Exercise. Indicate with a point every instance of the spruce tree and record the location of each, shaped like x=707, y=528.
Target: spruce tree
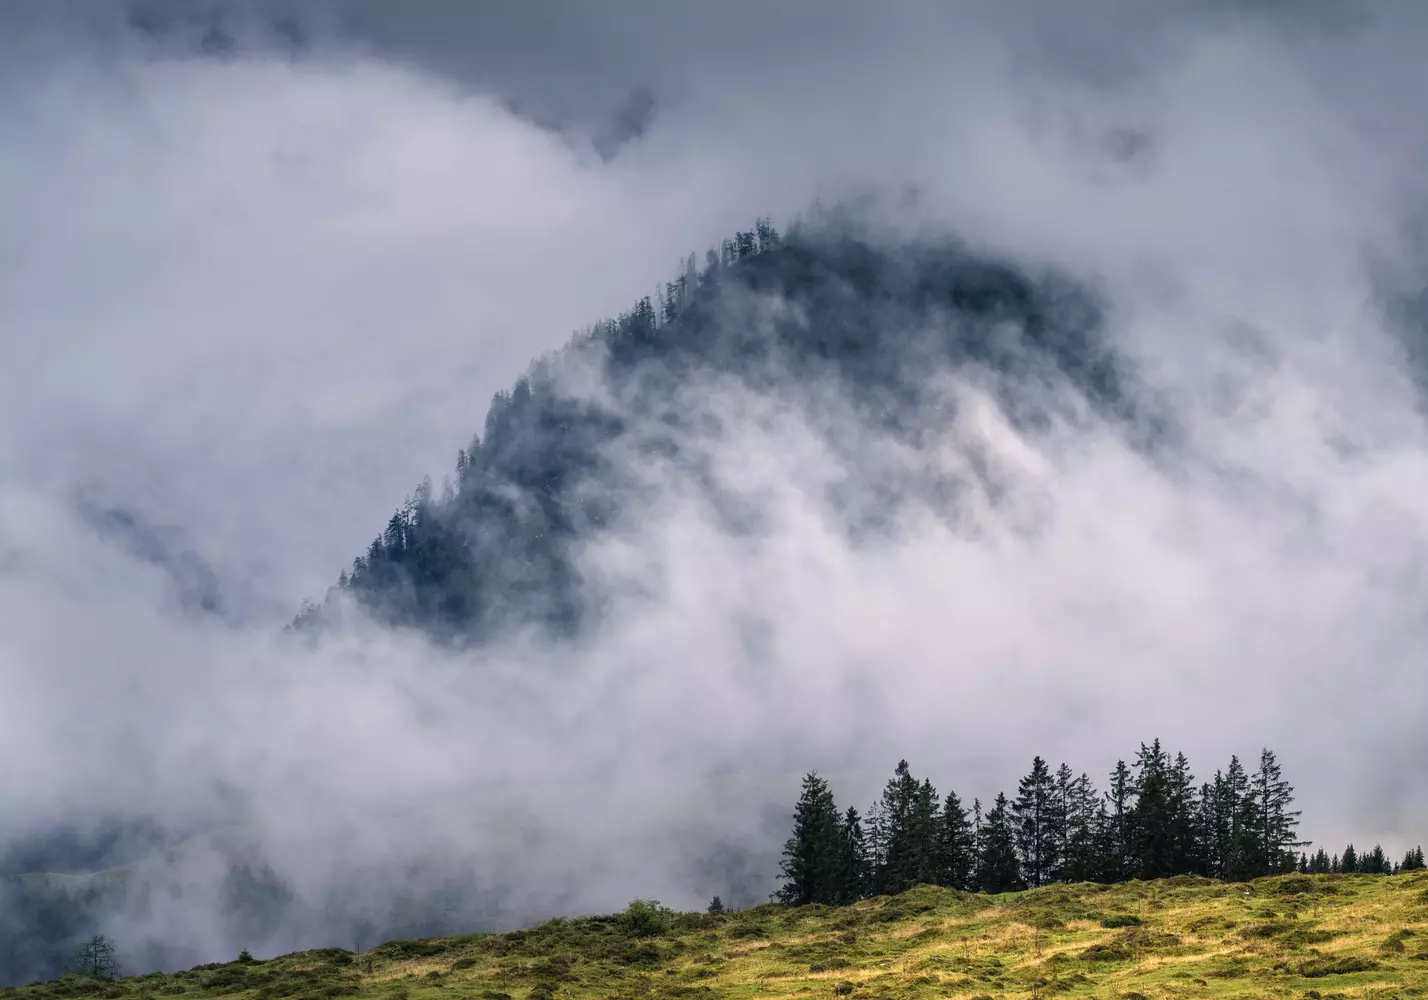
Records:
x=924, y=840
x=1374, y=862
x=812, y=854
x=1275, y=822
x=1239, y=811
x=1118, y=838
x=1349, y=862
x=1035, y=824
x=1081, y=861
x=1186, y=850
x=853, y=874
x=997, y=867
x=898, y=835
x=956, y=846
x=1151, y=848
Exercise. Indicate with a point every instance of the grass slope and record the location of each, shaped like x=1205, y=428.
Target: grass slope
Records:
x=1290, y=936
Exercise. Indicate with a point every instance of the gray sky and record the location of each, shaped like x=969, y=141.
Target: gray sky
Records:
x=255, y=295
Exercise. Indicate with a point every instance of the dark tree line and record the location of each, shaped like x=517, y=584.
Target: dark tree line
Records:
x=1153, y=821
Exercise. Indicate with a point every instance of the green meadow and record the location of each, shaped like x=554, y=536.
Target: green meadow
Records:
x=1318, y=937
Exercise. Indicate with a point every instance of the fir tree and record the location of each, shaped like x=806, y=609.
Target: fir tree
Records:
x=997, y=867
x=1375, y=862
x=1185, y=849
x=812, y=854
x=1117, y=842
x=1275, y=822
x=1083, y=841
x=956, y=845
x=899, y=832
x=924, y=840
x=853, y=874
x=1151, y=849
x=1035, y=823
x=1349, y=862
x=95, y=958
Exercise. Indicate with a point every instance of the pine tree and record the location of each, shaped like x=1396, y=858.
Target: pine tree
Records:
x=1186, y=850
x=95, y=958
x=1151, y=849
x=898, y=836
x=1320, y=864
x=1035, y=824
x=716, y=905
x=997, y=867
x=923, y=835
x=956, y=846
x=1275, y=822
x=1119, y=832
x=812, y=855
x=1374, y=862
x=1238, y=813
x=1083, y=840
x=1350, y=861
x=853, y=875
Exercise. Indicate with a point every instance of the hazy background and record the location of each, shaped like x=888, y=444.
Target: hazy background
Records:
x=263, y=265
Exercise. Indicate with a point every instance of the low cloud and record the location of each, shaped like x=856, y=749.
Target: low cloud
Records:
x=251, y=297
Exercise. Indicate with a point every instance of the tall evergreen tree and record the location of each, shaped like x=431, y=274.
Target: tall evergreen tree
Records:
x=1185, y=848
x=853, y=873
x=1081, y=860
x=924, y=840
x=1349, y=861
x=1034, y=817
x=1375, y=862
x=812, y=855
x=900, y=832
x=1119, y=834
x=1240, y=860
x=1151, y=823
x=997, y=867
x=1275, y=822
x=956, y=846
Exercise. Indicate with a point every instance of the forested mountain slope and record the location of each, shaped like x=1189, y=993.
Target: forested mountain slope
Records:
x=824, y=312
x=1295, y=935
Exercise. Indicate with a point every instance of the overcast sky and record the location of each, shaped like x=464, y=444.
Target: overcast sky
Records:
x=263, y=265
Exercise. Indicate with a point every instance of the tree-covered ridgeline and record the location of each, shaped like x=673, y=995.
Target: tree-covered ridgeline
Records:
x=822, y=304
x=1153, y=821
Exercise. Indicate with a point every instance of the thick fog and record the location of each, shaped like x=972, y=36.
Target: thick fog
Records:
x=262, y=267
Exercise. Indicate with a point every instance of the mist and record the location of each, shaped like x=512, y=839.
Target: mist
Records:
x=263, y=266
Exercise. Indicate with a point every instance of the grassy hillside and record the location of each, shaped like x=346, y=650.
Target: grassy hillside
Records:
x=1290, y=936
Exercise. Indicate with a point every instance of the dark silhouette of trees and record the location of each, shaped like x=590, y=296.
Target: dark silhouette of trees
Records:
x=1152, y=823
x=95, y=958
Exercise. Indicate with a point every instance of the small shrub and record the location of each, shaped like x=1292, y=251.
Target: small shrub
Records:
x=463, y=963
x=1121, y=920
x=1111, y=952
x=1321, y=967
x=843, y=988
x=646, y=918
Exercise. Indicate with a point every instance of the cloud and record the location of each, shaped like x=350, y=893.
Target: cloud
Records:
x=251, y=296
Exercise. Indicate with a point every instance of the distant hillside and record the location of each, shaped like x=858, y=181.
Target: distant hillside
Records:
x=822, y=309
x=1296, y=936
